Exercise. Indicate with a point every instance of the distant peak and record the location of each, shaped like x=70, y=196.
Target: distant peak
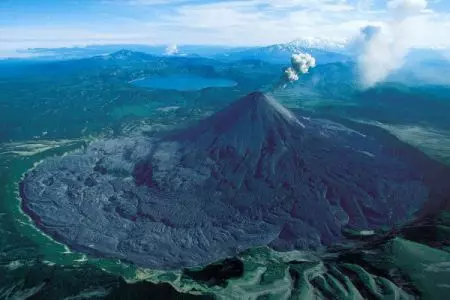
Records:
x=124, y=53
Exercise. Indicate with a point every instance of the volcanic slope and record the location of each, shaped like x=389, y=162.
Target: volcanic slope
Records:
x=252, y=174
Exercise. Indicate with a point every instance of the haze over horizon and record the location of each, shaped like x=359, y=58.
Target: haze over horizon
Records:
x=68, y=23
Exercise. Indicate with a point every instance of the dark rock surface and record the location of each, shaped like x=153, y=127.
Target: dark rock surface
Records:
x=252, y=174
x=218, y=273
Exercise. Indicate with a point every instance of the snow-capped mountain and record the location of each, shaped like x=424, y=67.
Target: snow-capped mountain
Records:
x=316, y=43
x=325, y=51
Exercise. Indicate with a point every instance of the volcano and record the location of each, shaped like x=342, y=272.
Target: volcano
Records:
x=253, y=174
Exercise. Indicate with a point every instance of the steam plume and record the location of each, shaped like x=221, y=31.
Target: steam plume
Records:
x=385, y=49
x=300, y=64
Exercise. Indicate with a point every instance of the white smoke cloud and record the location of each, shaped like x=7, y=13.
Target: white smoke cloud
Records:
x=300, y=64
x=172, y=50
x=291, y=75
x=385, y=49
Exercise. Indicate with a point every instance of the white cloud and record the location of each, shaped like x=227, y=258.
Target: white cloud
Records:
x=364, y=5
x=256, y=22
x=234, y=22
x=406, y=7
x=410, y=26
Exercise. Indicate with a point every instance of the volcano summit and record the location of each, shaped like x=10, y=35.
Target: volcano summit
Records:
x=252, y=174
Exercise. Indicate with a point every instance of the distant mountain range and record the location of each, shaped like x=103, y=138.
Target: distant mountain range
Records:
x=324, y=50
x=67, y=53
x=318, y=43
x=125, y=55
x=422, y=66
x=327, y=50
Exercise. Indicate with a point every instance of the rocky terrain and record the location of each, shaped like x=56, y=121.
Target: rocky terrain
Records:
x=250, y=175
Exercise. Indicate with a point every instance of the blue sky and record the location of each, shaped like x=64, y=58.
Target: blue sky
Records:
x=56, y=23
